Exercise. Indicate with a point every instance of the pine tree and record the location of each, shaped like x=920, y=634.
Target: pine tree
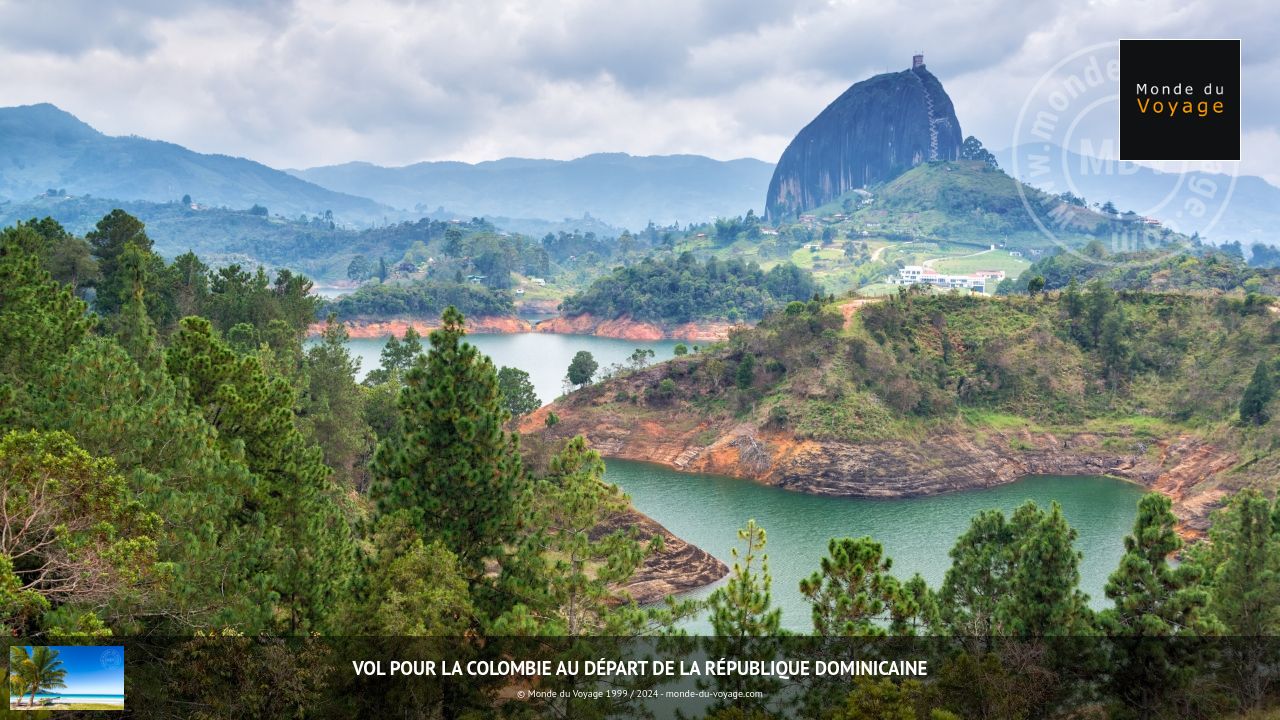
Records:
x=1246, y=575
x=1153, y=600
x=1043, y=598
x=332, y=409
x=745, y=623
x=1257, y=395
x=212, y=547
x=982, y=564
x=1242, y=566
x=109, y=240
x=311, y=566
x=581, y=564
x=133, y=326
x=40, y=321
x=452, y=467
x=743, y=606
x=398, y=355
x=854, y=594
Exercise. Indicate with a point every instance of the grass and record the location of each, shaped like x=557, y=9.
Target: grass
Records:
x=990, y=260
x=996, y=420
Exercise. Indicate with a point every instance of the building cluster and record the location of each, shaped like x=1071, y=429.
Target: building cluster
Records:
x=981, y=281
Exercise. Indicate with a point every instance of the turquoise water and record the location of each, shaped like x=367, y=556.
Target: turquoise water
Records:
x=916, y=532
x=708, y=510
x=69, y=698
x=544, y=356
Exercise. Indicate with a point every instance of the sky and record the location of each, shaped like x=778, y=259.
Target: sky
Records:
x=301, y=83
x=91, y=670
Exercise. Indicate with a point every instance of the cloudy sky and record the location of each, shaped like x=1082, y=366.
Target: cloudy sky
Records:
x=298, y=83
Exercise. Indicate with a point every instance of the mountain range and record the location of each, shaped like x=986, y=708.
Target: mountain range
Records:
x=43, y=147
x=622, y=190
x=1251, y=215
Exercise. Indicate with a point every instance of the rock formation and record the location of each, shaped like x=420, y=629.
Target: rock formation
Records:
x=878, y=129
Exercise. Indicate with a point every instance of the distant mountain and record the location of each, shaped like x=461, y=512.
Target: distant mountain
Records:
x=43, y=147
x=619, y=189
x=875, y=131
x=1252, y=215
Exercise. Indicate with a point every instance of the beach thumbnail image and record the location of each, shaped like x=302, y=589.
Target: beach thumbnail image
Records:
x=66, y=677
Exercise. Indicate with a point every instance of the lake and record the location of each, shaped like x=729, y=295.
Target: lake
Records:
x=544, y=356
x=708, y=510
x=917, y=533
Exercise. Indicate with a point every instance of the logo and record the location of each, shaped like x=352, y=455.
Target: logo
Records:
x=1066, y=144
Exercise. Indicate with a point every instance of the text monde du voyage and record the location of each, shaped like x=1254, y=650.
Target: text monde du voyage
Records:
x=1180, y=99
x=722, y=667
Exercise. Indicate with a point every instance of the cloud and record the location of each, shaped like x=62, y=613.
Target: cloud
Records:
x=311, y=82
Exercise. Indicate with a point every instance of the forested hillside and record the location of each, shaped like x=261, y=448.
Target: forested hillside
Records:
x=176, y=463
x=682, y=289
x=1197, y=268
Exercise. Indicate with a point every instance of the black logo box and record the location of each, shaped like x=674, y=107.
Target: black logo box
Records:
x=1180, y=65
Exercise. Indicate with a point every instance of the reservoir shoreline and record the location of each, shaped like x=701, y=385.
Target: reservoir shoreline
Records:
x=585, y=325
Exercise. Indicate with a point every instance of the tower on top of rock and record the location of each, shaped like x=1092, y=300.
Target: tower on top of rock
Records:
x=917, y=61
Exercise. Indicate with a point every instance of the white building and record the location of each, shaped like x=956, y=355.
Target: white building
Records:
x=980, y=281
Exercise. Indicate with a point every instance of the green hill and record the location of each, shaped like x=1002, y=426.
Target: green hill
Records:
x=973, y=203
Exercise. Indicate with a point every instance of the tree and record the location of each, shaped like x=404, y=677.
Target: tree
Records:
x=585, y=557
x=212, y=541
x=109, y=239
x=186, y=200
x=35, y=669
x=854, y=594
x=1015, y=576
x=982, y=564
x=1043, y=599
x=360, y=269
x=67, y=258
x=398, y=355
x=1035, y=285
x=253, y=412
x=331, y=408
x=744, y=621
x=582, y=368
x=972, y=149
x=745, y=375
x=640, y=357
x=409, y=587
x=1257, y=395
x=452, y=468
x=743, y=606
x=74, y=534
x=1153, y=600
x=1241, y=563
x=518, y=395
x=382, y=270
x=681, y=350
x=133, y=325
x=40, y=320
